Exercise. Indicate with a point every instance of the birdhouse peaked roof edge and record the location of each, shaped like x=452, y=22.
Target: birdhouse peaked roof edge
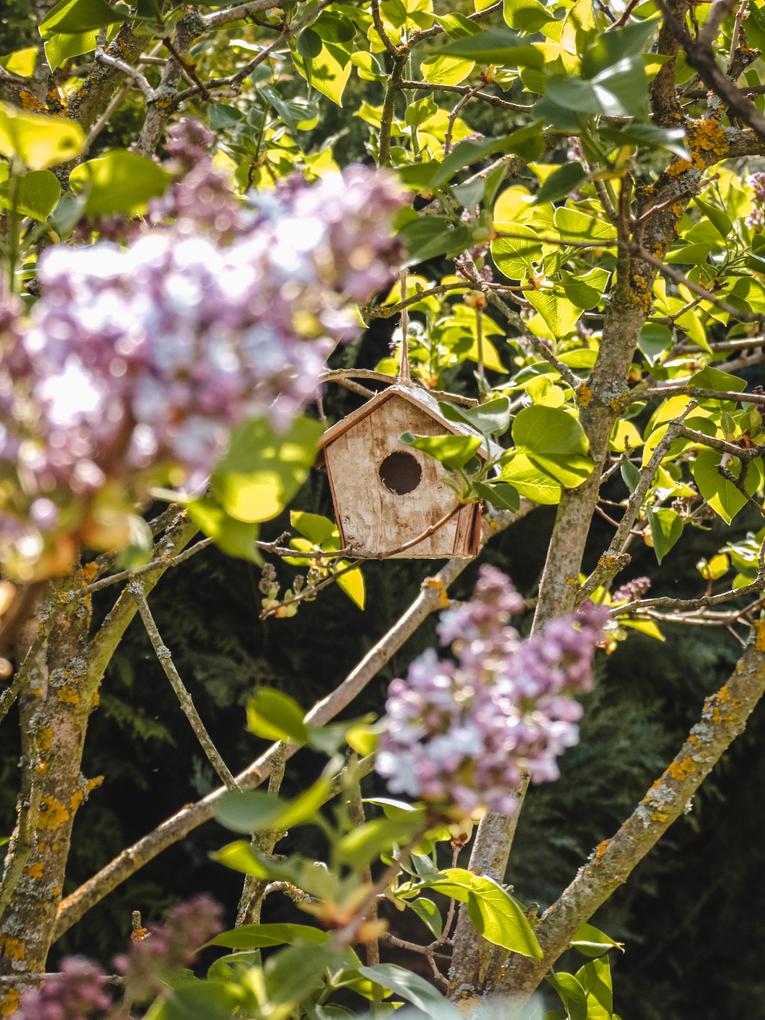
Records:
x=418, y=397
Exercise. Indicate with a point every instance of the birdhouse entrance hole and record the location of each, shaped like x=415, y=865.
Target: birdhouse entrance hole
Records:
x=400, y=473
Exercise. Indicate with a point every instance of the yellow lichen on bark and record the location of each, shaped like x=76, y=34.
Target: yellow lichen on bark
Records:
x=52, y=813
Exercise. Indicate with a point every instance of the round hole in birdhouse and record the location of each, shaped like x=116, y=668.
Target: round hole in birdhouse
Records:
x=400, y=473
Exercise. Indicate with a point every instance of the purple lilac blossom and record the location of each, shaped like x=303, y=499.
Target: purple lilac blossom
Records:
x=632, y=590
x=461, y=732
x=136, y=361
x=76, y=993
x=169, y=946
x=756, y=218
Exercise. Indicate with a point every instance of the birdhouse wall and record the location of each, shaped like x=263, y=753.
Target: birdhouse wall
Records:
x=373, y=519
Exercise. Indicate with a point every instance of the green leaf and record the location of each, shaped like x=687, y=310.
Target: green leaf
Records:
x=21, y=62
x=234, y=538
x=555, y=442
x=494, y=913
x=595, y=978
x=499, y=494
x=717, y=217
x=328, y=72
x=38, y=141
x=314, y=527
x=464, y=154
x=260, y=936
x=362, y=844
x=453, y=451
x=527, y=15
x=561, y=182
x=612, y=46
x=571, y=993
x=149, y=10
x=491, y=418
x=618, y=91
x=574, y=224
x=295, y=973
x=428, y=236
x=529, y=480
x=496, y=46
x=648, y=135
x=62, y=47
x=309, y=44
x=35, y=193
x=352, y=583
x=119, y=182
x=514, y=256
x=74, y=16
x=276, y=716
x=559, y=314
x=654, y=339
x=263, y=469
x=446, y=70
x=591, y=941
x=250, y=811
x=721, y=494
x=413, y=988
x=429, y=914
x=666, y=529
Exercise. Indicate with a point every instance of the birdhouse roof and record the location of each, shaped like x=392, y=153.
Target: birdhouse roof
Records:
x=418, y=397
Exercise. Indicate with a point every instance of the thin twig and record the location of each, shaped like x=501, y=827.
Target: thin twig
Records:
x=181, y=692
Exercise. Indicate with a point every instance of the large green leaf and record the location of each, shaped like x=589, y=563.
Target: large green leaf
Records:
x=36, y=140
x=119, y=182
x=666, y=530
x=74, y=16
x=413, y=988
x=515, y=256
x=428, y=236
x=256, y=811
x=260, y=936
x=446, y=70
x=618, y=91
x=496, y=46
x=491, y=418
x=274, y=715
x=571, y=993
x=453, y=451
x=612, y=46
x=263, y=469
x=721, y=494
x=529, y=480
x=62, y=46
x=493, y=911
x=235, y=538
x=559, y=314
x=35, y=193
x=295, y=973
x=555, y=442
x=365, y=842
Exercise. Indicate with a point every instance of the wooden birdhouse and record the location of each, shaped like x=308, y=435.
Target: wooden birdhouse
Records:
x=385, y=493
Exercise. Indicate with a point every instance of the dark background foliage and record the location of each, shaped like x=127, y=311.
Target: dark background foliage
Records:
x=691, y=916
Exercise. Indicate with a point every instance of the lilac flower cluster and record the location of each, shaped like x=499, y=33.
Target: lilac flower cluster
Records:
x=460, y=733
x=169, y=946
x=137, y=361
x=76, y=993
x=632, y=590
x=756, y=218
